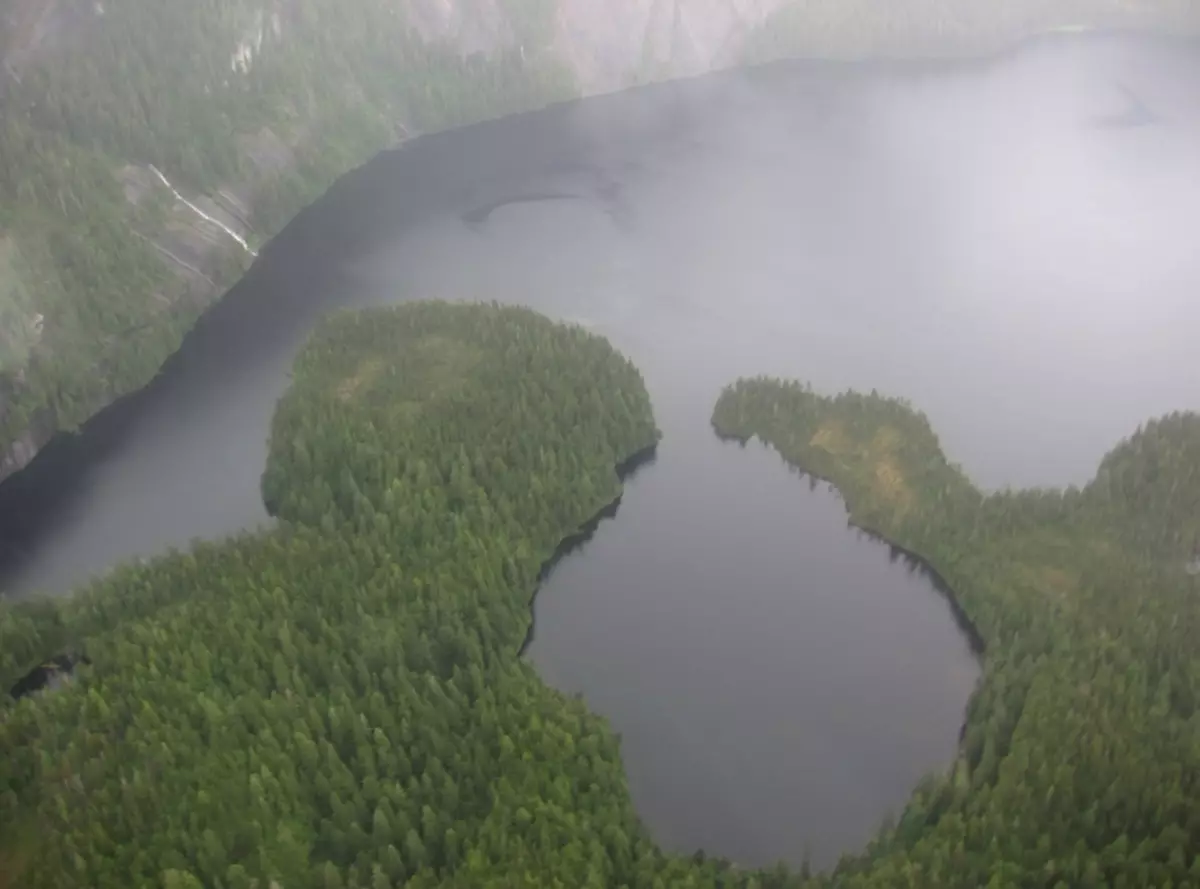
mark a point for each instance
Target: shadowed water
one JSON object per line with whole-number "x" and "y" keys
{"x": 1010, "y": 244}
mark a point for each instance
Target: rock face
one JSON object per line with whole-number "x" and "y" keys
{"x": 22, "y": 450}
{"x": 149, "y": 149}
{"x": 604, "y": 43}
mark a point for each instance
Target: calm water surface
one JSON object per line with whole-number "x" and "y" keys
{"x": 1010, "y": 245}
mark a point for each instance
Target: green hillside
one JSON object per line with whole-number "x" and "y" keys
{"x": 340, "y": 702}
{"x": 101, "y": 269}
{"x": 1080, "y": 760}
{"x": 251, "y": 108}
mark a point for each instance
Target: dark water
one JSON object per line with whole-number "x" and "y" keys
{"x": 1010, "y": 244}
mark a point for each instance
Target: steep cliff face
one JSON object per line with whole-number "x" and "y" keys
{"x": 604, "y": 45}
{"x": 146, "y": 150}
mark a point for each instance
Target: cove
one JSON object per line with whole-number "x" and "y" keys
{"x": 722, "y": 570}
{"x": 968, "y": 235}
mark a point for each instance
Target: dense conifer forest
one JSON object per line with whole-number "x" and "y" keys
{"x": 1079, "y": 764}
{"x": 340, "y": 702}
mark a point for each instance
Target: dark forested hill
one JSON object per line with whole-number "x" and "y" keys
{"x": 340, "y": 702}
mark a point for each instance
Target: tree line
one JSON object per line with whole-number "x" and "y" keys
{"x": 339, "y": 701}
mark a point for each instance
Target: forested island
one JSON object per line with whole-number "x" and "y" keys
{"x": 1079, "y": 763}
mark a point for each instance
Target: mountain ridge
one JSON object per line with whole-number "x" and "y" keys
{"x": 148, "y": 151}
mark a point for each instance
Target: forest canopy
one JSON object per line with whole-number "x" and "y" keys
{"x": 1079, "y": 763}
{"x": 340, "y": 701}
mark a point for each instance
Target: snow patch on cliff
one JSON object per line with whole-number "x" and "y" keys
{"x": 263, "y": 25}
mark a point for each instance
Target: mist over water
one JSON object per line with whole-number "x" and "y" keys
{"x": 1010, "y": 244}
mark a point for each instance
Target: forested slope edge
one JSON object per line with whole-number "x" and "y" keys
{"x": 1080, "y": 758}
{"x": 339, "y": 702}
{"x": 359, "y": 664}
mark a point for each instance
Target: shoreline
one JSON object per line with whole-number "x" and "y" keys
{"x": 625, "y": 470}
{"x": 41, "y": 676}
{"x": 914, "y": 559}
{"x": 17, "y": 454}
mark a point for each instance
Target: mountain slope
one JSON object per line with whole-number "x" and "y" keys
{"x": 146, "y": 149}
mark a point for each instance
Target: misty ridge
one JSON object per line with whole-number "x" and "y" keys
{"x": 420, "y": 475}
{"x": 150, "y": 151}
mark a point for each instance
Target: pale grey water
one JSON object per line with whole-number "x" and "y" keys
{"x": 989, "y": 240}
